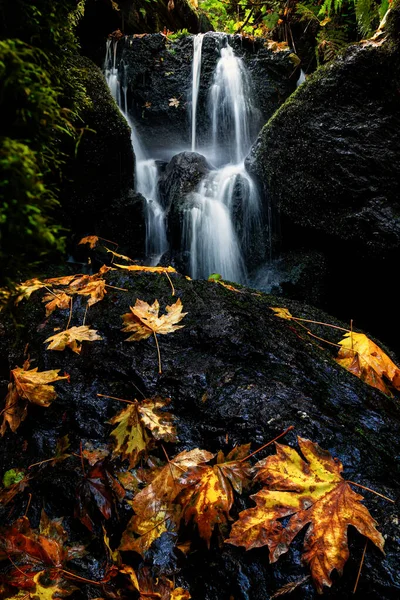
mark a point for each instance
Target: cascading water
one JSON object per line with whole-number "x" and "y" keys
{"x": 209, "y": 233}
{"x": 146, "y": 172}
{"x": 196, "y": 72}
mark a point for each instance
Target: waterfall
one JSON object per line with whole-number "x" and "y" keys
{"x": 196, "y": 71}
{"x": 226, "y": 195}
{"x": 146, "y": 172}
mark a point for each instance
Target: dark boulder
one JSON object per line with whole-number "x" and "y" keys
{"x": 236, "y": 374}
{"x": 329, "y": 161}
{"x": 98, "y": 196}
{"x": 159, "y": 70}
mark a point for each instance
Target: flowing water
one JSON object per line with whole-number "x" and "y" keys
{"x": 196, "y": 72}
{"x": 223, "y": 216}
{"x": 146, "y": 172}
{"x": 227, "y": 195}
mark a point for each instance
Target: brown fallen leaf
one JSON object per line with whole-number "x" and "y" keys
{"x": 312, "y": 493}
{"x": 362, "y": 357}
{"x": 61, "y": 300}
{"x": 92, "y": 240}
{"x": 131, "y": 437}
{"x": 147, "y": 269}
{"x": 28, "y": 385}
{"x": 149, "y": 587}
{"x": 281, "y": 312}
{"x": 24, "y": 290}
{"x": 143, "y": 321}
{"x": 96, "y": 289}
{"x": 127, "y": 258}
{"x": 72, "y": 338}
{"x": 155, "y": 507}
{"x": 209, "y": 495}
{"x": 160, "y": 423}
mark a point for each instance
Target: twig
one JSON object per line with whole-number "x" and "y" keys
{"x": 80, "y": 578}
{"x": 70, "y": 316}
{"x": 158, "y": 352}
{"x": 28, "y": 505}
{"x": 51, "y": 291}
{"x": 369, "y": 490}
{"x": 114, "y": 398}
{"x": 84, "y": 316}
{"x": 81, "y": 454}
{"x": 359, "y": 570}
{"x": 268, "y": 444}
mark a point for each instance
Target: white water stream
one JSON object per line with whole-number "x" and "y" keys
{"x": 146, "y": 172}
{"x": 196, "y": 72}
{"x": 228, "y": 193}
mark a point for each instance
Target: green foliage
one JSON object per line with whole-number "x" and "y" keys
{"x": 12, "y": 476}
{"x": 177, "y": 35}
{"x": 41, "y": 97}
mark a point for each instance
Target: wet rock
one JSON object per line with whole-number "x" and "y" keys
{"x": 329, "y": 163}
{"x": 159, "y": 70}
{"x": 97, "y": 195}
{"x": 235, "y": 374}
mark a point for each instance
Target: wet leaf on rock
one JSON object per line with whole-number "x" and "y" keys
{"x": 312, "y": 493}
{"x": 72, "y": 338}
{"x": 362, "y": 357}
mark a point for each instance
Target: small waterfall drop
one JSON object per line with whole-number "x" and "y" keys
{"x": 146, "y": 172}
{"x": 226, "y": 195}
{"x": 196, "y": 72}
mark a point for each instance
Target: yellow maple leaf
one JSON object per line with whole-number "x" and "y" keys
{"x": 61, "y": 300}
{"x": 362, "y": 357}
{"x": 143, "y": 321}
{"x": 312, "y": 493}
{"x": 92, "y": 240}
{"x": 159, "y": 422}
{"x": 24, "y": 290}
{"x": 154, "y": 505}
{"x": 131, "y": 438}
{"x": 72, "y": 338}
{"x": 209, "y": 495}
{"x": 96, "y": 289}
{"x": 28, "y": 385}
{"x": 283, "y": 313}
{"x": 145, "y": 269}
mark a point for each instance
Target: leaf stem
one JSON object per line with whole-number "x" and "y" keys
{"x": 28, "y": 505}
{"x": 80, "y": 578}
{"x": 116, "y": 288}
{"x": 81, "y": 455}
{"x": 320, "y": 323}
{"x": 115, "y": 398}
{"x": 359, "y": 570}
{"x": 171, "y": 284}
{"x": 70, "y": 316}
{"x": 268, "y": 443}
{"x": 369, "y": 490}
{"x": 158, "y": 352}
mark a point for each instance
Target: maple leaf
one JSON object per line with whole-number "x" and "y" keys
{"x": 96, "y": 289}
{"x": 24, "y": 290}
{"x": 209, "y": 497}
{"x": 362, "y": 357}
{"x": 92, "y": 240}
{"x": 72, "y": 338}
{"x": 174, "y": 101}
{"x": 143, "y": 320}
{"x": 283, "y": 313}
{"x": 145, "y": 269}
{"x": 130, "y": 434}
{"x": 48, "y": 546}
{"x": 160, "y": 588}
{"x": 154, "y": 505}
{"x": 159, "y": 422}
{"x": 28, "y": 385}
{"x": 312, "y": 493}
{"x": 97, "y": 487}
{"x": 61, "y": 300}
